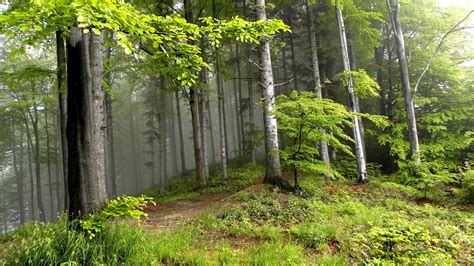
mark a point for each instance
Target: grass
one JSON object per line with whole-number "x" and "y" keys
{"x": 339, "y": 224}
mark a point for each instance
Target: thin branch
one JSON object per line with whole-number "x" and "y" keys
{"x": 452, "y": 30}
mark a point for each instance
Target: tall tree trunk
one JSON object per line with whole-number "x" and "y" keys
{"x": 163, "y": 137}
{"x": 272, "y": 158}
{"x": 323, "y": 146}
{"x": 29, "y": 142}
{"x": 204, "y": 122}
{"x": 134, "y": 149}
{"x": 109, "y": 132}
{"x": 85, "y": 124}
{"x": 238, "y": 141}
{"x": 172, "y": 134}
{"x": 180, "y": 132}
{"x": 240, "y": 116}
{"x": 356, "y": 97}
{"x": 359, "y": 148}
{"x": 39, "y": 186}
{"x": 19, "y": 177}
{"x": 251, "y": 133}
{"x": 292, "y": 49}
{"x": 62, "y": 115}
{"x": 211, "y": 128}
{"x": 48, "y": 164}
{"x": 221, "y": 107}
{"x": 194, "y": 106}
{"x": 394, "y": 10}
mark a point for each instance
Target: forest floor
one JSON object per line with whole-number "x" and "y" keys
{"x": 244, "y": 222}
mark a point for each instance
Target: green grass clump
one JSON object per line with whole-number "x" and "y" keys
{"x": 55, "y": 243}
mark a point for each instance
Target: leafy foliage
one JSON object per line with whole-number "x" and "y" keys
{"x": 121, "y": 207}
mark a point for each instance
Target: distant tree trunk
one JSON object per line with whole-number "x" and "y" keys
{"x": 323, "y": 146}
{"x": 221, "y": 107}
{"x": 109, "y": 133}
{"x": 359, "y": 148}
{"x": 194, "y": 106}
{"x": 48, "y": 159}
{"x": 132, "y": 124}
{"x": 29, "y": 142}
{"x": 238, "y": 142}
{"x": 394, "y": 10}
{"x": 272, "y": 158}
{"x": 211, "y": 128}
{"x": 240, "y": 116}
{"x": 251, "y": 132}
{"x": 19, "y": 177}
{"x": 180, "y": 132}
{"x": 62, "y": 114}
{"x": 163, "y": 136}
{"x": 85, "y": 128}
{"x": 292, "y": 49}
{"x": 39, "y": 187}
{"x": 172, "y": 134}
{"x": 204, "y": 122}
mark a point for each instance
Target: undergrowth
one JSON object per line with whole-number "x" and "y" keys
{"x": 338, "y": 224}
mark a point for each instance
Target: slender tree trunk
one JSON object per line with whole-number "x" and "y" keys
{"x": 204, "y": 122}
{"x": 251, "y": 137}
{"x": 30, "y": 168}
{"x": 19, "y": 177}
{"x": 240, "y": 116}
{"x": 359, "y": 148}
{"x": 133, "y": 149}
{"x": 180, "y": 132}
{"x": 39, "y": 186}
{"x": 48, "y": 159}
{"x": 211, "y": 128}
{"x": 194, "y": 106}
{"x": 292, "y": 49}
{"x": 356, "y": 97}
{"x": 272, "y": 158}
{"x": 323, "y": 146}
{"x": 221, "y": 107}
{"x": 85, "y": 128}
{"x": 238, "y": 142}
{"x": 404, "y": 75}
{"x": 163, "y": 136}
{"x": 172, "y": 134}
{"x": 62, "y": 115}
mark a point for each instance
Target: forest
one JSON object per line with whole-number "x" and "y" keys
{"x": 246, "y": 132}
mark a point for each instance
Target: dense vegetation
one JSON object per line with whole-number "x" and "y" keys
{"x": 236, "y": 132}
{"x": 337, "y": 223}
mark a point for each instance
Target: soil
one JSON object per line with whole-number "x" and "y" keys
{"x": 169, "y": 214}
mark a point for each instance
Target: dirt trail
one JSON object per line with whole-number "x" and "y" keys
{"x": 172, "y": 213}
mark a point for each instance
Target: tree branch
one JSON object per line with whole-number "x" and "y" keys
{"x": 452, "y": 30}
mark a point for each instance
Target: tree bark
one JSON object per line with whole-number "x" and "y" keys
{"x": 180, "y": 132}
{"x": 48, "y": 165}
{"x": 359, "y": 148}
{"x": 39, "y": 186}
{"x": 19, "y": 177}
{"x": 238, "y": 143}
{"x": 85, "y": 124}
{"x": 272, "y": 158}
{"x": 323, "y": 146}
{"x": 163, "y": 136}
{"x": 29, "y": 142}
{"x": 241, "y": 111}
{"x": 404, "y": 76}
{"x": 222, "y": 129}
{"x": 62, "y": 115}
{"x": 204, "y": 122}
{"x": 109, "y": 133}
{"x": 194, "y": 106}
